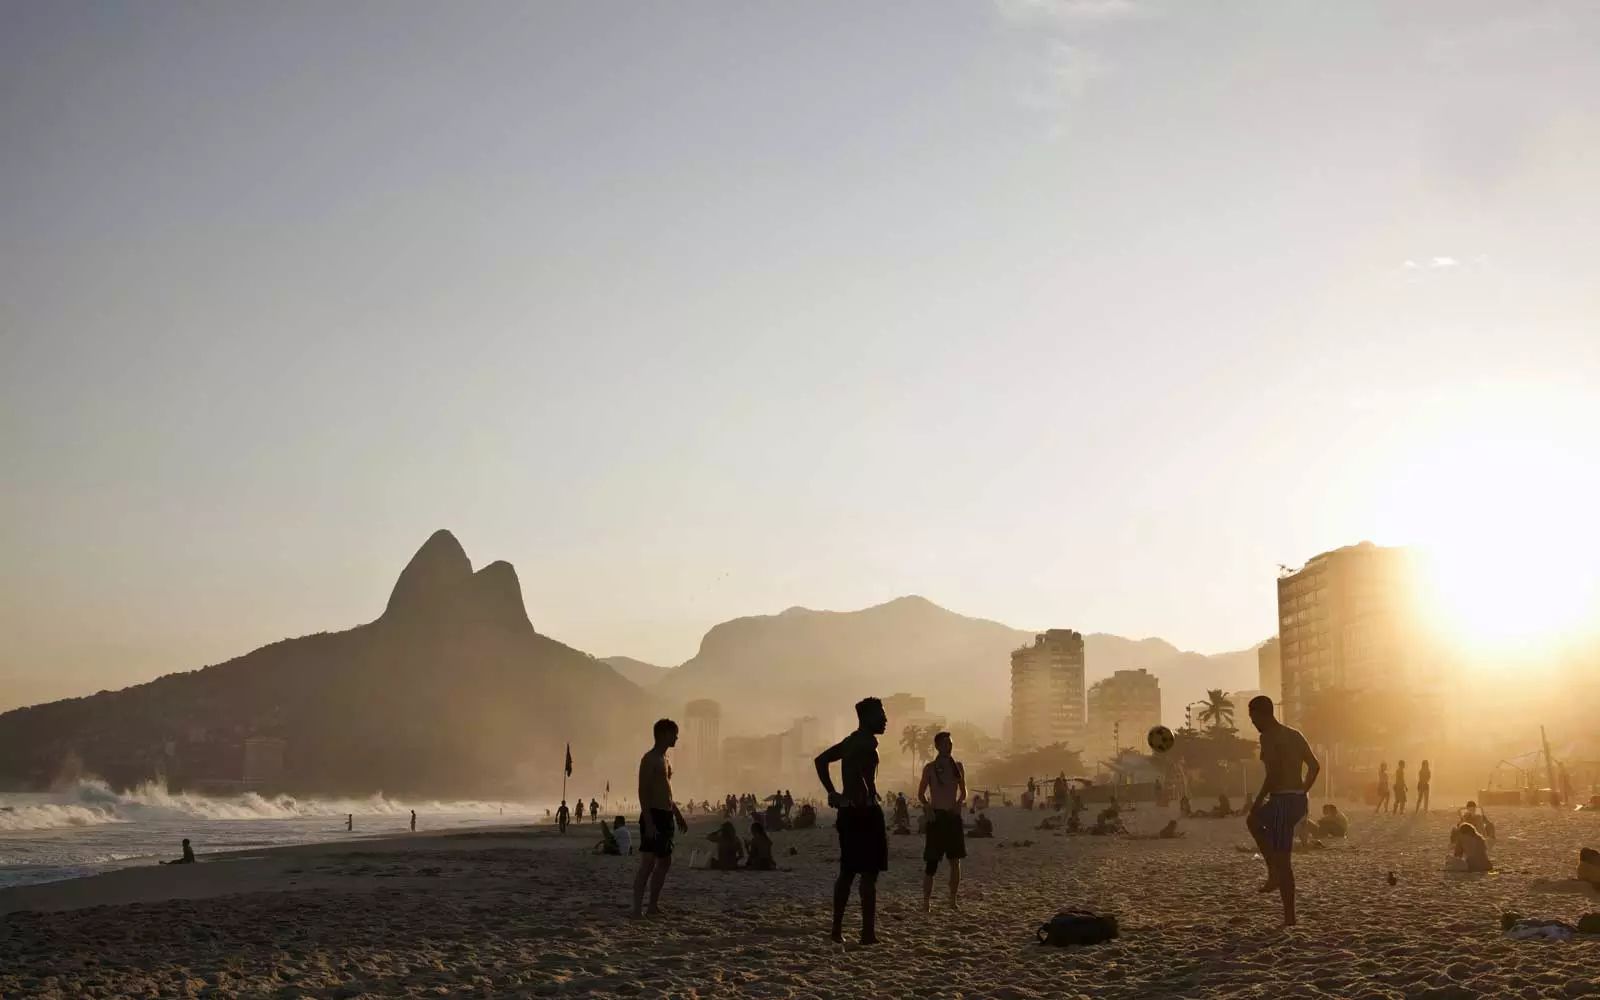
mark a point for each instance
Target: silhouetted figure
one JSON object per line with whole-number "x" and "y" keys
{"x": 1281, "y": 803}
{"x": 1589, "y": 867}
{"x": 1183, "y": 807}
{"x": 413, "y": 821}
{"x": 1224, "y": 807}
{"x": 1383, "y": 787}
{"x": 943, "y": 789}
{"x": 1471, "y": 849}
{"x": 188, "y": 855}
{"x": 623, "y": 837}
{"x": 760, "y": 857}
{"x": 806, "y": 818}
{"x": 1424, "y": 779}
{"x": 982, "y": 827}
{"x": 729, "y": 851}
{"x": 1170, "y": 831}
{"x": 1333, "y": 823}
{"x": 863, "y": 841}
{"x": 563, "y": 816}
{"x": 1400, "y": 788}
{"x": 350, "y": 822}
{"x": 788, "y": 804}
{"x": 594, "y": 811}
{"x": 580, "y": 810}
{"x": 902, "y": 817}
{"x": 1058, "y": 797}
{"x": 659, "y": 818}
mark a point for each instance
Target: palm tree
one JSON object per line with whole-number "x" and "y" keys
{"x": 1217, "y": 713}
{"x": 914, "y": 741}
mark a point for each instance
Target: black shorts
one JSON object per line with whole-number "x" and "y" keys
{"x": 659, "y": 843}
{"x": 863, "y": 841}
{"x": 946, "y": 838}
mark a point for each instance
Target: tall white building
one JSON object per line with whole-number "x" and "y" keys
{"x": 1047, "y": 691}
{"x": 1121, "y": 710}
{"x": 697, "y": 760}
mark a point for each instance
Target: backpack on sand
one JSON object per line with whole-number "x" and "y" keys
{"x": 1077, "y": 927}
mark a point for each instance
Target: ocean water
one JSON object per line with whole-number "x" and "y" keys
{"x": 89, "y": 828}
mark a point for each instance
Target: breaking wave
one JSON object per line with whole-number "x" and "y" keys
{"x": 94, "y": 803}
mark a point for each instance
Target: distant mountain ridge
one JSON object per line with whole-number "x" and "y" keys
{"x": 450, "y": 692}
{"x": 639, "y": 672}
{"x": 769, "y": 669}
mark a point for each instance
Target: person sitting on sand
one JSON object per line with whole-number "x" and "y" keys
{"x": 608, "y": 842}
{"x": 729, "y": 850}
{"x": 759, "y": 858}
{"x": 1224, "y": 807}
{"x": 1589, "y": 866}
{"x": 806, "y": 818}
{"x": 1170, "y": 831}
{"x": 1471, "y": 850}
{"x": 1183, "y": 807}
{"x": 1333, "y": 822}
{"x": 982, "y": 827}
{"x": 1478, "y": 818}
{"x": 188, "y": 855}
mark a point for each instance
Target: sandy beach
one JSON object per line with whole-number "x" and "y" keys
{"x": 524, "y": 913}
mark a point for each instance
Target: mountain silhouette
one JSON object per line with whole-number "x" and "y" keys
{"x": 768, "y": 670}
{"x": 450, "y": 692}
{"x": 644, "y": 674}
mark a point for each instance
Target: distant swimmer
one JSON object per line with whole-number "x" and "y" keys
{"x": 413, "y": 821}
{"x": 188, "y": 855}
{"x": 659, "y": 819}
{"x": 863, "y": 840}
{"x": 944, "y": 789}
{"x": 1281, "y": 803}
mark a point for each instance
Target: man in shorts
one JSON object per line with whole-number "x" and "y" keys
{"x": 863, "y": 838}
{"x": 1281, "y": 803}
{"x": 659, "y": 819}
{"x": 944, "y": 789}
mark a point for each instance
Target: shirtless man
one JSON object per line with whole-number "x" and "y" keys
{"x": 659, "y": 818}
{"x": 1281, "y": 804}
{"x": 946, "y": 779}
{"x": 863, "y": 840}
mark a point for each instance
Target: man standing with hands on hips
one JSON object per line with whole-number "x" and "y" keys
{"x": 946, "y": 780}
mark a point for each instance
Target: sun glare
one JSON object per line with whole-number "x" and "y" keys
{"x": 1503, "y": 503}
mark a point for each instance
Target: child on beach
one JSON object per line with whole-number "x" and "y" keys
{"x": 1471, "y": 850}
{"x": 729, "y": 851}
{"x": 760, "y": 857}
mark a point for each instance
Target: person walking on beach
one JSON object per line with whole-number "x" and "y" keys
{"x": 594, "y": 811}
{"x": 413, "y": 821}
{"x": 350, "y": 822}
{"x": 659, "y": 819}
{"x": 944, "y": 789}
{"x": 863, "y": 839}
{"x": 1424, "y": 779}
{"x": 1383, "y": 786}
{"x": 563, "y": 815}
{"x": 1400, "y": 789}
{"x": 580, "y": 810}
{"x": 1281, "y": 803}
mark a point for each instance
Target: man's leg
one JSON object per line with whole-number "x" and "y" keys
{"x": 658, "y": 878}
{"x": 647, "y": 863}
{"x": 841, "y": 898}
{"x": 955, "y": 881}
{"x": 869, "y": 907}
{"x": 1255, "y": 822}
{"x": 1282, "y": 864}
{"x": 928, "y": 872}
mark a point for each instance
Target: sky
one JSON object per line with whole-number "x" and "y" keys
{"x": 1065, "y": 313}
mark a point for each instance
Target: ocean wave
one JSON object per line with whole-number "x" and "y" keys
{"x": 92, "y": 802}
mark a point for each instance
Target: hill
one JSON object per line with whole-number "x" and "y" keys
{"x": 639, "y": 672}
{"x": 767, "y": 670}
{"x": 450, "y": 692}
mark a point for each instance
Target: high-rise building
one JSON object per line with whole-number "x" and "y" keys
{"x": 1269, "y": 669}
{"x": 1348, "y": 619}
{"x": 1047, "y": 691}
{"x": 697, "y": 760}
{"x": 1121, "y": 710}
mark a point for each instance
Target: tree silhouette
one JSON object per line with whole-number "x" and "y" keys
{"x": 1217, "y": 713}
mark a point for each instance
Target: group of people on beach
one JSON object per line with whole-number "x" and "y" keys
{"x": 1397, "y": 805}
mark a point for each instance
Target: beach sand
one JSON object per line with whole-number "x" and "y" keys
{"x": 527, "y": 913}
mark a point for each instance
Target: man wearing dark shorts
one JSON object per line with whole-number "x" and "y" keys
{"x": 946, "y": 780}
{"x": 659, "y": 819}
{"x": 1282, "y": 802}
{"x": 863, "y": 839}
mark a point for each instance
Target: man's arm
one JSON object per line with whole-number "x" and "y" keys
{"x": 961, "y": 785}
{"x": 922, "y": 787}
{"x": 1309, "y": 758}
{"x": 647, "y": 824}
{"x": 827, "y": 757}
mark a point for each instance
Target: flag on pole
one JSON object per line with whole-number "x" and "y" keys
{"x": 569, "y": 760}
{"x": 608, "y": 788}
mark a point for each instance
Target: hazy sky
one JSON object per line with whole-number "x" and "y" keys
{"x": 1062, "y": 313}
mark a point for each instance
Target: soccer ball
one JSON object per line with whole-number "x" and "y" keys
{"x": 1160, "y": 739}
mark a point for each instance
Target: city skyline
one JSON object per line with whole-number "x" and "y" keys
{"x": 1049, "y": 311}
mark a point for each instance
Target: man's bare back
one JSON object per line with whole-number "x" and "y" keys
{"x": 1284, "y": 753}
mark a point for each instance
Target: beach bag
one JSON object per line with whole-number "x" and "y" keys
{"x": 1077, "y": 927}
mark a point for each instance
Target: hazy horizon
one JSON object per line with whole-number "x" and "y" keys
{"x": 1060, "y": 313}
